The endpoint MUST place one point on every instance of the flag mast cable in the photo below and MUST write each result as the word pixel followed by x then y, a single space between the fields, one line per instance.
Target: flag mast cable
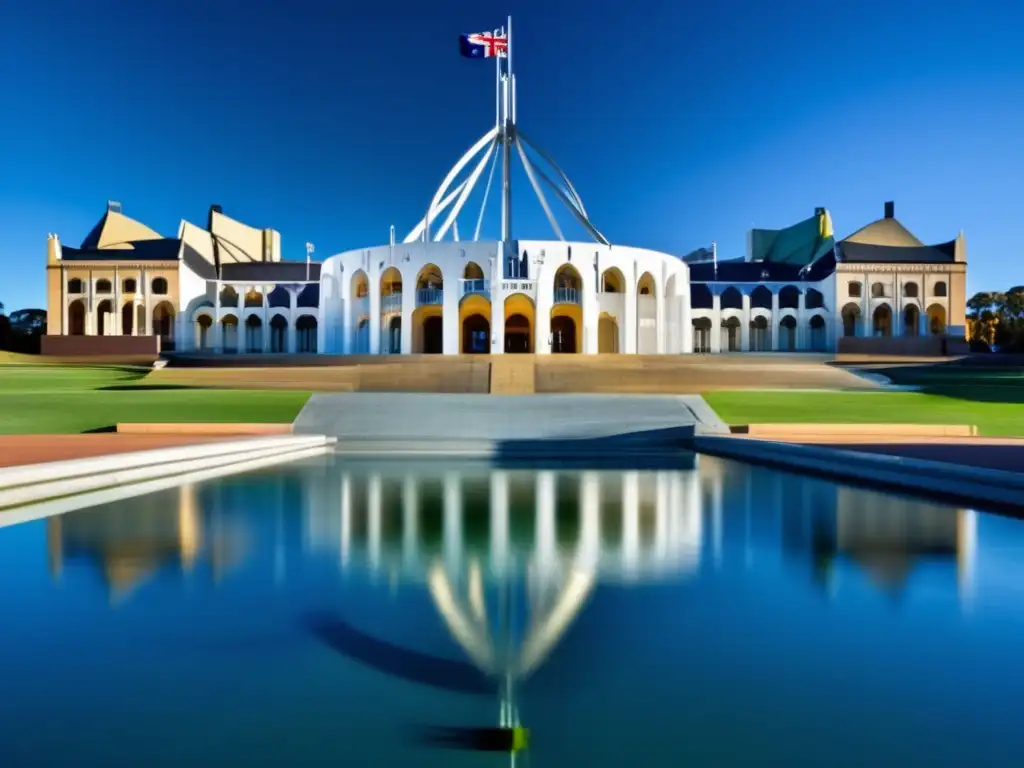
pixel 500 140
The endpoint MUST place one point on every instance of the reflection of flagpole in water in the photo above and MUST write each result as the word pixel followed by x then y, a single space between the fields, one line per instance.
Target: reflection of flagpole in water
pixel 967 541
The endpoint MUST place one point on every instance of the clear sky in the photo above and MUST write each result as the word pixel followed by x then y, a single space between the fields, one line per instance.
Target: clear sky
pixel 678 123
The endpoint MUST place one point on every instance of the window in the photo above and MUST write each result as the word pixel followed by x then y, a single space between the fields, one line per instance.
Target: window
pixel 854 289
pixel 74 285
pixel 160 286
pixel 910 290
pixel 102 286
pixel 940 288
pixel 129 285
pixel 877 290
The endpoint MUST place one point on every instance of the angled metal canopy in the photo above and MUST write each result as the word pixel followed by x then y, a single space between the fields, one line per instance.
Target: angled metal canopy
pixel 502 137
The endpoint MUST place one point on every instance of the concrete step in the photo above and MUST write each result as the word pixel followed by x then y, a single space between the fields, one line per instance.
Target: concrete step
pixel 512 375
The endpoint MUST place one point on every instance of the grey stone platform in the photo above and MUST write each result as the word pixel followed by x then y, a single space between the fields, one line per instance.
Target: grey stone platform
pixel 570 425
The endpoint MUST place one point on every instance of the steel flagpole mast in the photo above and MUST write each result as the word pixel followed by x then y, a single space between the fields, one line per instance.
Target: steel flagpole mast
pixel 507 133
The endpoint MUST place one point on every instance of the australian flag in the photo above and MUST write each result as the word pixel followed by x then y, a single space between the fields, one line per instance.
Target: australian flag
pixel 484 45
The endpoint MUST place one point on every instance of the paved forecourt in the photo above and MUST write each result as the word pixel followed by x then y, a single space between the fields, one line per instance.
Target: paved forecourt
pixel 424 422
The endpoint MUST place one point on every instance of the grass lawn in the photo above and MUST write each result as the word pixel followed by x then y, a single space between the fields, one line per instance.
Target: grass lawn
pixel 64 399
pixel 993 418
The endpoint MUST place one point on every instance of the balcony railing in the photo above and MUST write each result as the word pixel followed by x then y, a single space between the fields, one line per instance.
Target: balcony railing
pixel 428 296
pixel 392 302
pixel 519 286
pixel 478 287
pixel 567 296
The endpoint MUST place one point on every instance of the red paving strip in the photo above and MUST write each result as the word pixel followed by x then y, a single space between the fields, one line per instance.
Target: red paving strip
pixel 20 450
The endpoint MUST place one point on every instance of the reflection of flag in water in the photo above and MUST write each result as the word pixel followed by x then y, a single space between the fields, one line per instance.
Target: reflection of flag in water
pixel 484 45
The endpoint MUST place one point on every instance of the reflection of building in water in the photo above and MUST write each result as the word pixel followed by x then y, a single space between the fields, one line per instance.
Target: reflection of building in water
pixel 132 545
pixel 628 524
pixel 885 536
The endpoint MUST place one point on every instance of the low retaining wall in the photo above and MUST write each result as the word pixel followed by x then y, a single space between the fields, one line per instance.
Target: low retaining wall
pixel 101 346
pixel 38 482
pixel 931 478
pixel 206 428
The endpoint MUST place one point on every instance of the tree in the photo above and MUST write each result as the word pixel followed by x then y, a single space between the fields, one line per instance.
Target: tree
pixel 21 332
pixel 29 321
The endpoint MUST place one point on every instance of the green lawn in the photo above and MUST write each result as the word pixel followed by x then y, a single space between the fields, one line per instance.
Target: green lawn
pixel 992 417
pixel 65 399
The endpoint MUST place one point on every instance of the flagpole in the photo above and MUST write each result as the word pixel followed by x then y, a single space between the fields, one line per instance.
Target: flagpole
pixel 506 137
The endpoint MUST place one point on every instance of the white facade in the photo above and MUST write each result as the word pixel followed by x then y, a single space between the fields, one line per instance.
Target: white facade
pixel 550 296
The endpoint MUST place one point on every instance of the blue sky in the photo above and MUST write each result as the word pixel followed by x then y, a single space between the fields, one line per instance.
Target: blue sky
pixel 678 123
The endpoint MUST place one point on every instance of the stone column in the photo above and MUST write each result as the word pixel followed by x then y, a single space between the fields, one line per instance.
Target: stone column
pixel 545 301
pixel 776 324
pixel 90 318
pixel 293 331
pixel 147 302
pixel 865 306
pixel 591 312
pixel 716 323
pixel 449 316
pixel 243 333
pixel 115 321
pixel 659 318
pixel 631 322
pixel 63 302
pixel 375 315
pixel 745 325
pixel 801 322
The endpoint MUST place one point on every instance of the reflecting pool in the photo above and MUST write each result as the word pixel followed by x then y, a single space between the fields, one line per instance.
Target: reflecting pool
pixel 337 612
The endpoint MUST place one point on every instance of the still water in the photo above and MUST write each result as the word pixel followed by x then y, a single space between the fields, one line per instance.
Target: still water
pixel 337 613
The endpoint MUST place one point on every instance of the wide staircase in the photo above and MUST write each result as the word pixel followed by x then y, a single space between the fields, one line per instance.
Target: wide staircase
pixel 513 375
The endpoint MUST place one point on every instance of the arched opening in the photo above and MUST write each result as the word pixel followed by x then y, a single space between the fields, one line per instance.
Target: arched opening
pixel 936 320
pixel 910 290
pixel 854 289
pixel 253 299
pixel 475 322
pixel 787 334
pixel 429 286
pixel 940 289
pixel 877 290
pixel 911 319
pixel 76 318
pixel 731 299
pixel 431 335
pixel 390 291
pixel 305 334
pixel 731 334
pixel 163 324
pixel 882 320
pixel 472 272
pixel 228 296
pixel 760 334
pixel 851 320
pixel 568 285
pixel 476 335
pixel 104 318
pixel 253 334
pixel 789 297
pixel 519 323
pixel 103 288
pixel 646 316
pixel 393 345
pixel 127 319
pixel 75 286
pixel 613 281
pixel 761 298
pixel 702 335
pixel 128 285
pixel 362 340
pixel 563 334
pixel 229 333
pixel 819 340
pixel 814 299
pixel 607 334
pixel 159 286
pixel 278 334
pixel 360 285
pixel 203 325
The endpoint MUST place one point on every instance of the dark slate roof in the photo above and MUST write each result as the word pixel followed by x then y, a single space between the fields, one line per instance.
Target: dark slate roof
pixel 741 271
pixel 194 261
pixel 271 271
pixel 144 250
pixel 858 253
